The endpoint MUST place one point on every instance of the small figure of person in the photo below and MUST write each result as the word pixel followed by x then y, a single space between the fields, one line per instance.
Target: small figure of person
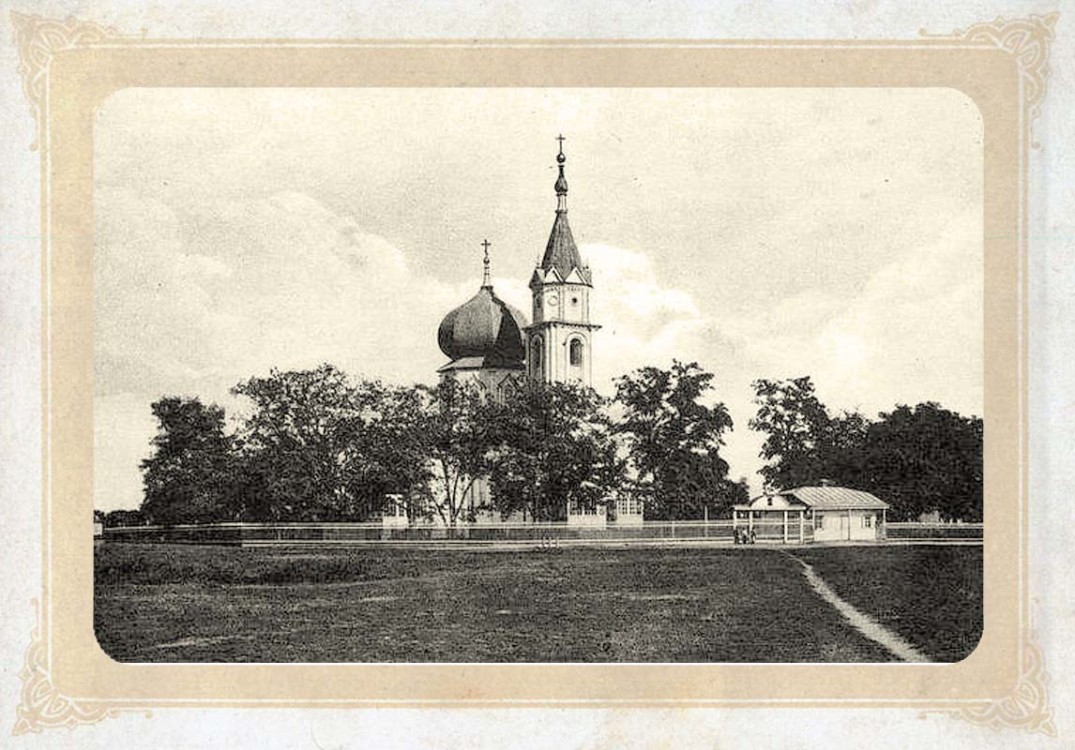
pixel 753 536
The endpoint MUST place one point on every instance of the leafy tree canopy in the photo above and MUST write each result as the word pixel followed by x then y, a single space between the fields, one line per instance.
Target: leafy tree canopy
pixel 455 440
pixel 925 458
pixel 918 459
pixel 673 437
pixel 551 446
pixel 186 478
pixel 318 447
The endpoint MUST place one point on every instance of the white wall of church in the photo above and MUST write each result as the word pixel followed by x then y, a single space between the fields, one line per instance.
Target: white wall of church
pixel 561 321
pixel 550 352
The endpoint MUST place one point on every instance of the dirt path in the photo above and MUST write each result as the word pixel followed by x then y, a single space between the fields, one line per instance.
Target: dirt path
pixel 863 623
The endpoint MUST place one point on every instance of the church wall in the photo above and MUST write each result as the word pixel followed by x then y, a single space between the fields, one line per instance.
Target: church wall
pixel 555 346
pixel 494 381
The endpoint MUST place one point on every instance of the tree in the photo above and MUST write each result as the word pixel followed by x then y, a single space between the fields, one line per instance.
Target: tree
pixel 187 477
pixel 317 447
pixel 550 446
pixel 919 459
pixel 125 518
pixel 673 439
pixel 455 440
pixel 804 444
pixel 726 495
pixel 925 459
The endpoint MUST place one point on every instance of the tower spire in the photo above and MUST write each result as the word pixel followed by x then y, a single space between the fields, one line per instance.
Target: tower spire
pixel 560 252
pixel 561 181
pixel 486 276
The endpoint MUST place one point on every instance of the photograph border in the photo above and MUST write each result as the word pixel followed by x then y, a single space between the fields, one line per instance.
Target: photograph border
pixel 68 67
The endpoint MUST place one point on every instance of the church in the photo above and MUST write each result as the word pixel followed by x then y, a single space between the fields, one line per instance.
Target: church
pixel 491 342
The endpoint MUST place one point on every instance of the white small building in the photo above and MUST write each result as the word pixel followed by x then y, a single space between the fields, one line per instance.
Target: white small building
pixel 820 514
pixel 629 511
pixel 587 514
pixel 394 515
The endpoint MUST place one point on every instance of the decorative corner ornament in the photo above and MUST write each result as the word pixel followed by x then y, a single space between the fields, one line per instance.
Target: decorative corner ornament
pixel 41 705
pixel 38 40
pixel 1026 708
pixel 1027 40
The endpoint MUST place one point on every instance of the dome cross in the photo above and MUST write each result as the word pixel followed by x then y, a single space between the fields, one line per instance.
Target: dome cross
pixel 486 277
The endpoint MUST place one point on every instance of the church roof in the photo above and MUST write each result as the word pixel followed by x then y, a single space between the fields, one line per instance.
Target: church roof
pixel 480 363
pixel 484 327
pixel 561 252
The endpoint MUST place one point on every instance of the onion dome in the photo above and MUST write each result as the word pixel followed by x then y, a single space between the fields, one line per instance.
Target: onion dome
pixel 483 332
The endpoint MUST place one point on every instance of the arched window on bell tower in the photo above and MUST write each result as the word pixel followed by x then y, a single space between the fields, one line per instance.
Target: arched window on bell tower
pixel 535 357
pixel 576 353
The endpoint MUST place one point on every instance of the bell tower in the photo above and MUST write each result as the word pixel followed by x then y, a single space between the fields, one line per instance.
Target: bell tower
pixel 559 344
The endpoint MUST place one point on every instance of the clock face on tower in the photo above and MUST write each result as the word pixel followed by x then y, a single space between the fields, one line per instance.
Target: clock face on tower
pixel 551 299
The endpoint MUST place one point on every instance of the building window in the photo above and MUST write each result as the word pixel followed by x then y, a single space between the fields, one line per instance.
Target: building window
pixel 574 300
pixel 819 520
pixel 583 509
pixel 535 355
pixel 867 521
pixel 576 353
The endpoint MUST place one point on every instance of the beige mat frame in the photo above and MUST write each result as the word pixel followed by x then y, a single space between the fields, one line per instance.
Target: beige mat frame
pixel 69 67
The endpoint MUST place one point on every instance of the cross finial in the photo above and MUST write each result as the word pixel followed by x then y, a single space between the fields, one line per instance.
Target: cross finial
pixel 561 181
pixel 486 278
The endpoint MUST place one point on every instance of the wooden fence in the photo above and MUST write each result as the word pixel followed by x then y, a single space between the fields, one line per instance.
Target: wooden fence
pixel 282 534
pixel 923 532
pixel 332 534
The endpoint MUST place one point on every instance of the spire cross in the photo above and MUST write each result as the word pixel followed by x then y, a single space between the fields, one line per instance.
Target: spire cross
pixel 486 280
pixel 561 182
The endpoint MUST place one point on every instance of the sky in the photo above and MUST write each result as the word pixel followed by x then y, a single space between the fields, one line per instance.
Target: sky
pixel 763 233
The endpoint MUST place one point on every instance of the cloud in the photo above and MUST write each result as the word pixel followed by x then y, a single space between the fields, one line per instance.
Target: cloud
pixel 840 240
pixel 912 332
pixel 192 306
pixel 644 321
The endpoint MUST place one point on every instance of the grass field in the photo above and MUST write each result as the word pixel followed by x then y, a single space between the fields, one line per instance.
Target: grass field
pixel 157 603
pixel 932 596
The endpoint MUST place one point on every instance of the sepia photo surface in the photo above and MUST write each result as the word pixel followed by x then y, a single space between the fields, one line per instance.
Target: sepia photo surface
pixel 538 375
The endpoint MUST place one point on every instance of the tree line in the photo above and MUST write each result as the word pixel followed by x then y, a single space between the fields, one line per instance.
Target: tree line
pixel 318 445
pixel 921 459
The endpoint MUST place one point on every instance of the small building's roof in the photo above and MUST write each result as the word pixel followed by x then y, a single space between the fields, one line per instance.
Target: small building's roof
pixel 840 498
pixel 827 498
pixel 835 498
